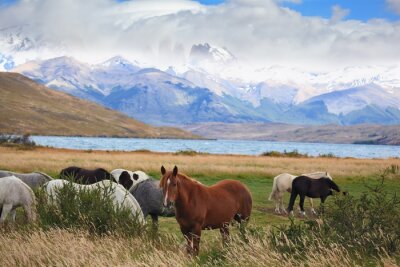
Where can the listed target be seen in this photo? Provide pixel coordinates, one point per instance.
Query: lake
(217, 146)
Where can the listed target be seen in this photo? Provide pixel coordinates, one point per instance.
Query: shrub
(327, 155)
(21, 140)
(291, 154)
(189, 152)
(91, 210)
(367, 225)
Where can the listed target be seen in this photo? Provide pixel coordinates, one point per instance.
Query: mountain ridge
(27, 107)
(195, 96)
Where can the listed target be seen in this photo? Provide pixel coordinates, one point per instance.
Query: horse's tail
(45, 175)
(275, 190)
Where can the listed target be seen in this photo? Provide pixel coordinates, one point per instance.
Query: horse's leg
(224, 230)
(30, 213)
(192, 237)
(277, 201)
(196, 234)
(293, 196)
(6, 209)
(322, 203)
(282, 205)
(312, 206)
(13, 213)
(302, 197)
(154, 218)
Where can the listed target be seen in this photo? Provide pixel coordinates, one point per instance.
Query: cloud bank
(260, 33)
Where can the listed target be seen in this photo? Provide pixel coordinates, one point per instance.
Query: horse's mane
(187, 178)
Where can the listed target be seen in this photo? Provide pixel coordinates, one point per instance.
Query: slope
(27, 107)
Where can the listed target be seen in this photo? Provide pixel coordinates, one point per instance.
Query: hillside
(363, 134)
(27, 107)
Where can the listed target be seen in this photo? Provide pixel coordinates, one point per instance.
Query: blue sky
(358, 9)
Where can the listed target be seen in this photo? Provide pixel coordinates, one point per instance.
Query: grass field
(257, 173)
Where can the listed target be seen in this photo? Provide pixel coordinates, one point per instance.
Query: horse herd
(195, 206)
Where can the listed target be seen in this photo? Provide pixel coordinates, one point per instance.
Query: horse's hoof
(291, 214)
(303, 214)
(314, 212)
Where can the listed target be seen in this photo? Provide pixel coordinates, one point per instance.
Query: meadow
(74, 247)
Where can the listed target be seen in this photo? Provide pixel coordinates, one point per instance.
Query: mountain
(188, 94)
(212, 54)
(360, 134)
(27, 107)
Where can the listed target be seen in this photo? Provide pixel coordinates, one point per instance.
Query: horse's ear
(326, 173)
(135, 177)
(175, 171)
(163, 171)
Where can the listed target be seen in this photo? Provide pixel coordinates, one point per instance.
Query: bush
(189, 152)
(23, 140)
(327, 155)
(291, 154)
(91, 210)
(367, 225)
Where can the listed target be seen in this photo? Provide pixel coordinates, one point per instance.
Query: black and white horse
(312, 188)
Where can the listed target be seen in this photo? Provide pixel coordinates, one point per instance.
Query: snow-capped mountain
(186, 94)
(212, 82)
(20, 44)
(210, 54)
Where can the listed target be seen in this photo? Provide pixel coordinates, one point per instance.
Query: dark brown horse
(84, 176)
(312, 188)
(200, 207)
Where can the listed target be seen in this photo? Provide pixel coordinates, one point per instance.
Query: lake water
(218, 146)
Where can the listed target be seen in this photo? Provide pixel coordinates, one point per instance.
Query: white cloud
(339, 13)
(394, 5)
(257, 32)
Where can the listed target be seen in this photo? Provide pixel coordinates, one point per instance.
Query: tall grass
(366, 227)
(91, 210)
(352, 231)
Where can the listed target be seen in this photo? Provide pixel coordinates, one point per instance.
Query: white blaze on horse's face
(166, 193)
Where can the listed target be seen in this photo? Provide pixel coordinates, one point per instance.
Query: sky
(312, 34)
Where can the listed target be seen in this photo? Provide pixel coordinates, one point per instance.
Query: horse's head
(169, 185)
(332, 184)
(125, 180)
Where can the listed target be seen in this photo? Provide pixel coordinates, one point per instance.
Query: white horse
(13, 194)
(136, 177)
(283, 183)
(120, 196)
(33, 180)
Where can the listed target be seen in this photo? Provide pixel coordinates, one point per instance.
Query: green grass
(263, 209)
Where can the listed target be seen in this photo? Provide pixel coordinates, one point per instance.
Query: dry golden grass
(53, 160)
(65, 248)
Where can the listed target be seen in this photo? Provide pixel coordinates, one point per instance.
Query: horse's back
(69, 172)
(5, 174)
(284, 182)
(236, 192)
(317, 175)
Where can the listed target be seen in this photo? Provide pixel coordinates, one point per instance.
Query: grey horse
(150, 197)
(33, 179)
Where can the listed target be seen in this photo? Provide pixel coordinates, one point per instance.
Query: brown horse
(199, 207)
